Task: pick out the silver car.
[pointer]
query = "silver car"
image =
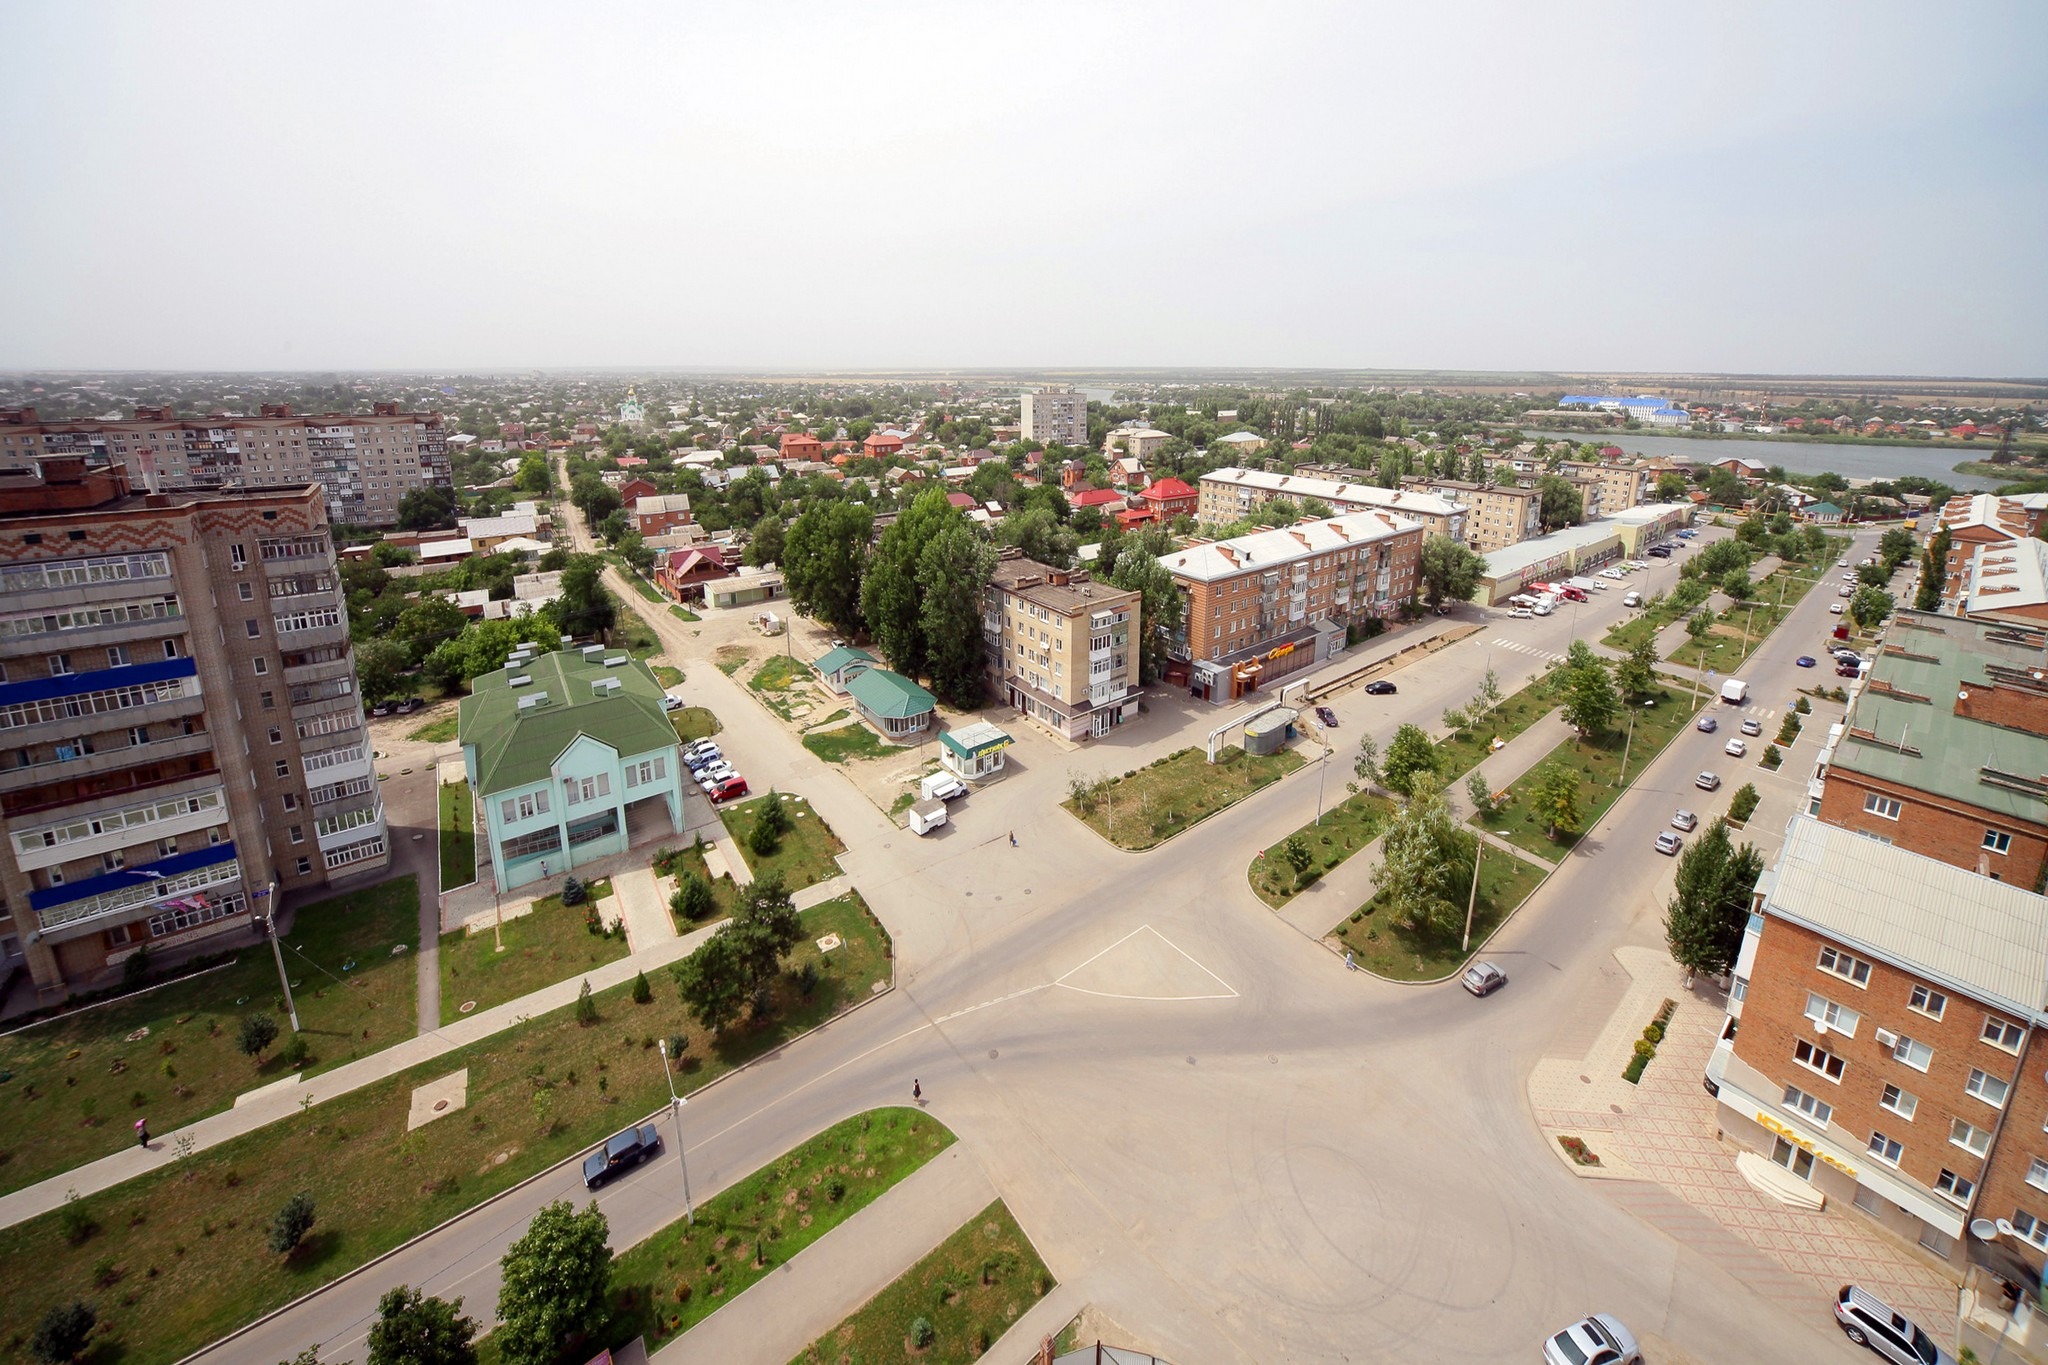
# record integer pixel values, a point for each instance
(1598, 1340)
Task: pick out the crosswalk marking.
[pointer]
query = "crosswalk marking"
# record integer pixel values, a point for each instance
(1520, 648)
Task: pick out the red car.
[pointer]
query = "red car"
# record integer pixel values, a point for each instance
(730, 789)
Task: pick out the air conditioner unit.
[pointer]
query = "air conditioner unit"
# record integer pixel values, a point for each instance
(1886, 1038)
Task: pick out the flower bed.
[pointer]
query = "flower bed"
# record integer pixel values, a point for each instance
(1578, 1151)
(1646, 1046)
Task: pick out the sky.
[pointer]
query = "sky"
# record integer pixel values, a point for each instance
(1725, 187)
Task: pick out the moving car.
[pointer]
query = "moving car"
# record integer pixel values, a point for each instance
(1520, 614)
(1834, 608)
(1735, 748)
(1685, 820)
(1707, 782)
(1708, 725)
(731, 789)
(1483, 978)
(1804, 661)
(621, 1152)
(1752, 726)
(1598, 1340)
(1382, 688)
(1841, 563)
(1669, 843)
(1327, 716)
(1869, 1321)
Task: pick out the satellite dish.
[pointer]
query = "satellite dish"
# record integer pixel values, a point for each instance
(1983, 1229)
(2005, 1229)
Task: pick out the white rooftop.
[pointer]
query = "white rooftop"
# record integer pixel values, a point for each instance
(1265, 549)
(656, 504)
(2007, 574)
(1647, 512)
(1332, 492)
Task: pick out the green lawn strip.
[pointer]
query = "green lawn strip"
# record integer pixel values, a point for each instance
(841, 714)
(1400, 952)
(458, 836)
(694, 722)
(185, 1247)
(684, 614)
(70, 1096)
(436, 731)
(642, 586)
(722, 889)
(809, 850)
(681, 1275)
(1745, 625)
(666, 675)
(775, 683)
(1597, 763)
(1348, 826)
(634, 635)
(1463, 751)
(970, 1289)
(848, 741)
(549, 943)
(1644, 625)
(1149, 805)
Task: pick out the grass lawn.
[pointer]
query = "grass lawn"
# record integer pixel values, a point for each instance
(666, 675)
(436, 731)
(848, 741)
(1743, 626)
(551, 942)
(688, 859)
(684, 614)
(841, 714)
(809, 848)
(1597, 762)
(729, 658)
(1149, 805)
(71, 1095)
(778, 682)
(1348, 826)
(1515, 713)
(458, 836)
(694, 722)
(185, 1246)
(969, 1290)
(640, 585)
(1401, 953)
(681, 1275)
(633, 634)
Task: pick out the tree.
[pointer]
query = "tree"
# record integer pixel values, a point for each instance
(1557, 798)
(889, 594)
(739, 962)
(1590, 703)
(259, 1031)
(824, 555)
(1868, 606)
(694, 898)
(1562, 503)
(595, 498)
(1670, 487)
(1480, 795)
(1161, 608)
(1736, 584)
(585, 607)
(767, 541)
(1294, 851)
(1038, 532)
(1425, 867)
(423, 509)
(1487, 696)
(415, 1328)
(1873, 575)
(952, 578)
(1700, 625)
(290, 1224)
(1709, 907)
(380, 669)
(1449, 569)
(1409, 753)
(1895, 546)
(1367, 765)
(534, 476)
(1636, 672)
(423, 625)
(556, 1279)
(1933, 572)
(63, 1333)
(586, 1005)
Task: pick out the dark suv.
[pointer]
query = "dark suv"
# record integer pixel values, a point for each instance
(621, 1152)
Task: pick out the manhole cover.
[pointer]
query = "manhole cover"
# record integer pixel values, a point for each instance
(1586, 1080)
(992, 1054)
(1615, 1107)
(139, 1034)
(501, 1158)
(439, 1105)
(465, 1007)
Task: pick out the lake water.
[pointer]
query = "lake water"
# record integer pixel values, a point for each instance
(1801, 457)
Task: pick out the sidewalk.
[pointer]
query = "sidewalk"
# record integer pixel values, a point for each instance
(827, 1281)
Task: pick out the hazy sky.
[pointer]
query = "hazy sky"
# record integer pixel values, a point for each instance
(1770, 187)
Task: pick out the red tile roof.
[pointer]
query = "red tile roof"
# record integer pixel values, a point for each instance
(1169, 487)
(1096, 497)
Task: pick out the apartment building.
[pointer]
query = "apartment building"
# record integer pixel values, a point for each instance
(1496, 516)
(1609, 488)
(1062, 647)
(2007, 581)
(366, 463)
(1973, 522)
(1056, 416)
(1228, 495)
(1257, 608)
(1881, 1041)
(179, 723)
(1944, 750)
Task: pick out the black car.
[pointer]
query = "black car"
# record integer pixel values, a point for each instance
(621, 1152)
(1327, 716)
(1382, 688)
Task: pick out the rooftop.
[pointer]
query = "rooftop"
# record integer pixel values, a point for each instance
(518, 747)
(2005, 574)
(1267, 549)
(1986, 938)
(1063, 592)
(1513, 559)
(1333, 491)
(654, 504)
(883, 693)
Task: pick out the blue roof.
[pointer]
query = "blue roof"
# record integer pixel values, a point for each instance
(1660, 404)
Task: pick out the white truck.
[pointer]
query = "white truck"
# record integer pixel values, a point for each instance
(927, 816)
(940, 786)
(1735, 692)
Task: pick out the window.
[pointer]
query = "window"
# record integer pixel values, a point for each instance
(1812, 1107)
(260, 664)
(2000, 1034)
(1987, 1088)
(1956, 1187)
(246, 590)
(60, 664)
(238, 555)
(291, 801)
(1851, 969)
(1912, 1052)
(268, 700)
(2037, 1173)
(1882, 806)
(276, 735)
(1885, 1149)
(170, 649)
(1900, 1102)
(1840, 1018)
(117, 656)
(283, 768)
(298, 834)
(1928, 1001)
(1968, 1136)
(1997, 841)
(305, 866)
(254, 627)
(1817, 1059)
(2027, 1226)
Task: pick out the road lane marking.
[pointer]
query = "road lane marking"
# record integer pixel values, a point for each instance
(1061, 980)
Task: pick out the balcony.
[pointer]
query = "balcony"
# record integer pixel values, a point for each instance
(82, 907)
(163, 815)
(133, 694)
(312, 637)
(326, 670)
(60, 771)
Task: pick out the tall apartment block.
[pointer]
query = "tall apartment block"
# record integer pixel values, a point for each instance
(365, 463)
(1057, 416)
(179, 723)
(1062, 648)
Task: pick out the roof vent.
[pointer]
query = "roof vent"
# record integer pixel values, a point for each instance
(591, 652)
(518, 680)
(618, 660)
(534, 702)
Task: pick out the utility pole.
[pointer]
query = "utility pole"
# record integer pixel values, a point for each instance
(1622, 780)
(276, 951)
(1472, 899)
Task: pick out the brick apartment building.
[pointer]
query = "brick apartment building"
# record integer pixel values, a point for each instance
(1260, 607)
(1228, 495)
(1496, 516)
(1974, 521)
(1055, 416)
(1881, 1041)
(366, 463)
(2007, 581)
(1062, 647)
(1609, 488)
(179, 721)
(1944, 750)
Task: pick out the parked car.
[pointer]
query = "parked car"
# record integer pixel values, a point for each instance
(1842, 654)
(1869, 1321)
(1752, 726)
(707, 745)
(1834, 608)
(1520, 614)
(671, 702)
(621, 1152)
(1735, 748)
(1483, 978)
(729, 790)
(1669, 843)
(1382, 688)
(707, 778)
(1707, 782)
(1685, 820)
(1847, 671)
(1613, 573)
(383, 708)
(1598, 1340)
(1708, 725)
(702, 759)
(409, 705)
(1804, 661)
(1327, 716)
(1841, 563)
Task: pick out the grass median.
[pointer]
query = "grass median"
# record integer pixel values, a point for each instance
(175, 1260)
(436, 731)
(809, 850)
(1149, 805)
(458, 836)
(77, 1083)
(1404, 952)
(549, 943)
(848, 741)
(1346, 827)
(694, 722)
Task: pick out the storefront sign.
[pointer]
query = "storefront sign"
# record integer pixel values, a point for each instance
(1279, 650)
(1803, 1143)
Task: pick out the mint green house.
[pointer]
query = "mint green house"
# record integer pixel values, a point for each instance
(565, 752)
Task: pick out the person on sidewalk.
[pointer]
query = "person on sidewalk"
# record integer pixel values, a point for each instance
(916, 1091)
(1013, 838)
(142, 1134)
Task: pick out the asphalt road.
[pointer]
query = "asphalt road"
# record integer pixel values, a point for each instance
(1233, 1145)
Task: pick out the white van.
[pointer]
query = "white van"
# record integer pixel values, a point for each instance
(1735, 692)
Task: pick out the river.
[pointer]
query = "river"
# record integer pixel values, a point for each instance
(1800, 457)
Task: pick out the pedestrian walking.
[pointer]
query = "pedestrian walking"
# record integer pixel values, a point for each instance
(1013, 838)
(916, 1090)
(142, 1133)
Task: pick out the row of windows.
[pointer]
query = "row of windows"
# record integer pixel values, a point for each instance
(351, 853)
(71, 573)
(88, 618)
(93, 703)
(2002, 1034)
(117, 821)
(1889, 808)
(348, 819)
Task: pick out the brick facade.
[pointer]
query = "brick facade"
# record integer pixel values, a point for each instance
(1947, 831)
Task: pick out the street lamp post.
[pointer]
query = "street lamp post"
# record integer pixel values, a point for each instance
(277, 951)
(676, 1103)
(1322, 774)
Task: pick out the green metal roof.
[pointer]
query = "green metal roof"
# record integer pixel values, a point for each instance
(977, 738)
(837, 658)
(516, 748)
(892, 695)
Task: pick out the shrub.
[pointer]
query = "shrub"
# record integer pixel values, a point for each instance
(643, 994)
(135, 970)
(295, 1052)
(1772, 757)
(1743, 804)
(63, 1332)
(1645, 1049)
(288, 1228)
(574, 892)
(764, 839)
(693, 899)
(259, 1031)
(586, 1007)
(1802, 706)
(922, 1333)
(665, 860)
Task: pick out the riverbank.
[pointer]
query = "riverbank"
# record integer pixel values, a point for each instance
(1853, 458)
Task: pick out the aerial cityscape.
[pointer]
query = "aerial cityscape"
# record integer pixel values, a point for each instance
(1105, 685)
